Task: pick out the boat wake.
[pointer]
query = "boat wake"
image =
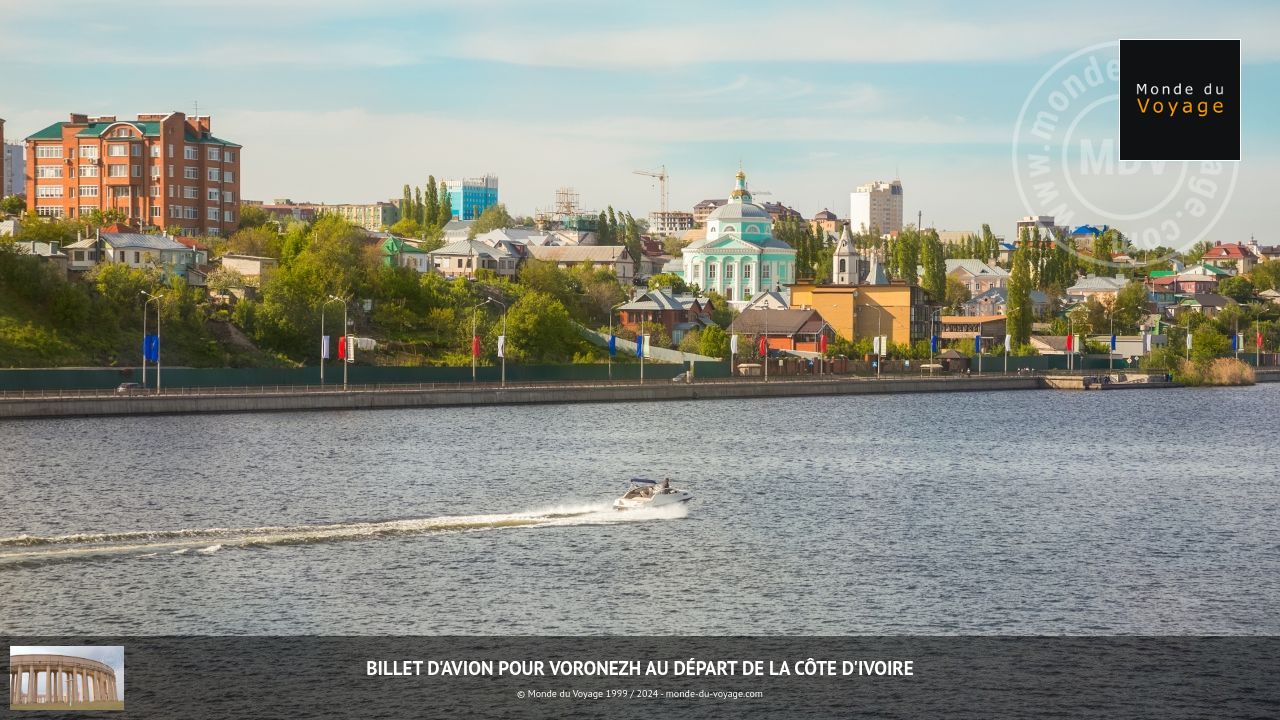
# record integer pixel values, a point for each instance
(31, 549)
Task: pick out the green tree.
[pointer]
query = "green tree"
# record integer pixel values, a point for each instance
(445, 213)
(1130, 307)
(934, 261)
(1207, 343)
(1019, 302)
(253, 216)
(259, 241)
(431, 201)
(407, 208)
(1237, 288)
(668, 280)
(494, 217)
(714, 342)
(13, 205)
(539, 330)
(1266, 276)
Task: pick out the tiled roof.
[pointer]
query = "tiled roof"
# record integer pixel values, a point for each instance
(580, 253)
(757, 321)
(975, 267)
(138, 240)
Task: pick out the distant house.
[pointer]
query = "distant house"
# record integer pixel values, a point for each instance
(49, 252)
(612, 257)
(250, 266)
(1049, 344)
(401, 252)
(159, 252)
(456, 230)
(463, 258)
(1233, 257)
(976, 275)
(1207, 304)
(1101, 287)
(769, 299)
(676, 313)
(1270, 296)
(996, 302)
(826, 221)
(798, 329)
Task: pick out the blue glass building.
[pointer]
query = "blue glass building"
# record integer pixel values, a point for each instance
(470, 196)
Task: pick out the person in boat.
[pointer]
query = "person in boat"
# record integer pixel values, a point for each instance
(666, 484)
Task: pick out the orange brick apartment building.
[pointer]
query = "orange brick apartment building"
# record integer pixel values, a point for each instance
(163, 171)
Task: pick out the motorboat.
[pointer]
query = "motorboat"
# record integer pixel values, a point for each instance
(646, 493)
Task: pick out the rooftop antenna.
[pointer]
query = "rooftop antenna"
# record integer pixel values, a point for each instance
(197, 110)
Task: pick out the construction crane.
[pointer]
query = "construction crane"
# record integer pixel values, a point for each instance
(661, 174)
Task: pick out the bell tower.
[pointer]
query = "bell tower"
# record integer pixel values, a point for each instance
(844, 262)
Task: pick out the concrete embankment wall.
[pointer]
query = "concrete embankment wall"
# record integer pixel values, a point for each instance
(463, 396)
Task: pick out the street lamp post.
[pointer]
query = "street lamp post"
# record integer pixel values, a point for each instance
(613, 348)
(156, 298)
(324, 345)
(765, 343)
(346, 340)
(504, 338)
(474, 339)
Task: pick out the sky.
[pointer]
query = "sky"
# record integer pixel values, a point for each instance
(347, 101)
(112, 655)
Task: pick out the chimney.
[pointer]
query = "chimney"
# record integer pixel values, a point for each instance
(79, 119)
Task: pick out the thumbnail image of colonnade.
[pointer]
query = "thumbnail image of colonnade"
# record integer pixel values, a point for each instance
(67, 680)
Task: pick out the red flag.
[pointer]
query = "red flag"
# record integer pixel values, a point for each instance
(1070, 343)
(342, 347)
(475, 345)
(1259, 341)
(822, 344)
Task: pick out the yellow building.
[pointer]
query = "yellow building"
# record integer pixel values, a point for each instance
(897, 310)
(873, 306)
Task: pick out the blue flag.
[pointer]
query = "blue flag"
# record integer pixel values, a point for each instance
(977, 344)
(1235, 343)
(1113, 343)
(639, 346)
(933, 344)
(613, 345)
(151, 348)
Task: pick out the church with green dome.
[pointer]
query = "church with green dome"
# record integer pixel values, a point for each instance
(739, 257)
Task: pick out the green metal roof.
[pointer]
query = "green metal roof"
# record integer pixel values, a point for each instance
(150, 128)
(53, 132)
(95, 129)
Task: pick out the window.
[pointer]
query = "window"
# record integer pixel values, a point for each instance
(765, 271)
(215, 153)
(88, 191)
(212, 195)
(190, 173)
(842, 265)
(155, 151)
(171, 150)
(49, 210)
(175, 211)
(189, 192)
(228, 196)
(711, 271)
(155, 191)
(229, 176)
(155, 171)
(120, 192)
(228, 216)
(117, 171)
(136, 150)
(117, 150)
(728, 271)
(189, 153)
(50, 171)
(88, 171)
(215, 174)
(746, 271)
(173, 191)
(120, 132)
(48, 151)
(89, 152)
(79, 256)
(170, 171)
(155, 211)
(213, 213)
(48, 191)
(137, 256)
(137, 171)
(229, 156)
(190, 213)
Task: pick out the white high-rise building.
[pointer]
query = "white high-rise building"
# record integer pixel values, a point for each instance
(876, 205)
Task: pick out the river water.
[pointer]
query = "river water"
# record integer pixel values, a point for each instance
(1031, 512)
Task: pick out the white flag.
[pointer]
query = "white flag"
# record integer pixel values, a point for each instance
(324, 347)
(733, 343)
(1188, 340)
(1008, 343)
(502, 344)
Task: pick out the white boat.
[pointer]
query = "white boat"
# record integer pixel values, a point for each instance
(646, 493)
